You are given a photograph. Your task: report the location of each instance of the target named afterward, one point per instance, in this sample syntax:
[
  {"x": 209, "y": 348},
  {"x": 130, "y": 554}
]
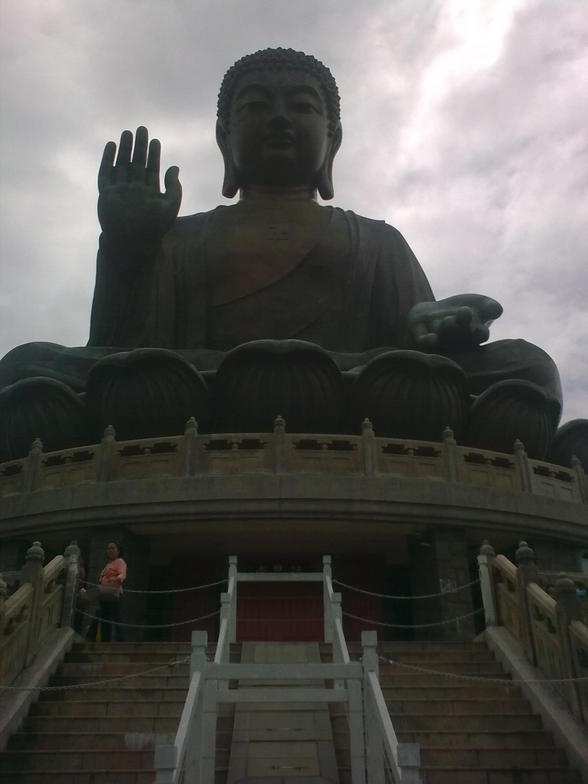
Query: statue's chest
[{"x": 252, "y": 251}]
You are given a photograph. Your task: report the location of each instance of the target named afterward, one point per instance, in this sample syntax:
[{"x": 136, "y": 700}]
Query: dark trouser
[{"x": 110, "y": 611}]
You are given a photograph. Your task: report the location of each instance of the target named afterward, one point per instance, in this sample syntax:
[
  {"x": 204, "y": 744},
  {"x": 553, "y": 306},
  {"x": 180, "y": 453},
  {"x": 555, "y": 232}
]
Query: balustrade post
[
  {"x": 70, "y": 589},
  {"x": 568, "y": 609},
  {"x": 527, "y": 573},
  {"x": 374, "y": 752},
  {"x": 190, "y": 448},
  {"x": 32, "y": 572},
  {"x": 522, "y": 461},
  {"x": 578, "y": 469},
  {"x": 198, "y": 655},
  {"x": 209, "y": 717},
  {"x": 486, "y": 572},
  {"x": 356, "y": 730},
  {"x": 233, "y": 572},
  {"x": 225, "y": 615},
  {"x": 369, "y": 448},
  {"x": 279, "y": 445},
  {"x": 3, "y": 595},
  {"x": 327, "y": 619},
  {"x": 33, "y": 466},
  {"x": 450, "y": 449},
  {"x": 106, "y": 454}
]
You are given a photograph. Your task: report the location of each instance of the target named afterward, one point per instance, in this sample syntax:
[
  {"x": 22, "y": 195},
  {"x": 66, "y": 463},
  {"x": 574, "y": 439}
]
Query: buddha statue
[{"x": 275, "y": 304}]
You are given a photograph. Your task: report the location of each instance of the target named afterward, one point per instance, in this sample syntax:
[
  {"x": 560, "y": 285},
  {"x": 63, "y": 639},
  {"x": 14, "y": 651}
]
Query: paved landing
[{"x": 282, "y": 743}]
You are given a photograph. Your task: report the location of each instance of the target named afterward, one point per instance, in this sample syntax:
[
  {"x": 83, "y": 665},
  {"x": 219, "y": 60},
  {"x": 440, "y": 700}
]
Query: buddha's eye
[
  {"x": 304, "y": 107},
  {"x": 253, "y": 106}
]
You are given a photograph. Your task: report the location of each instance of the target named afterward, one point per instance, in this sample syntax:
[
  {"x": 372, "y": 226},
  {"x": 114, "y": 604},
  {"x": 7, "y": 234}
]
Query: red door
[{"x": 280, "y": 612}]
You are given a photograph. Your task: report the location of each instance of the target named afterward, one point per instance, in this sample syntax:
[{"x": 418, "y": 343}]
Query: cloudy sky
[{"x": 465, "y": 126}]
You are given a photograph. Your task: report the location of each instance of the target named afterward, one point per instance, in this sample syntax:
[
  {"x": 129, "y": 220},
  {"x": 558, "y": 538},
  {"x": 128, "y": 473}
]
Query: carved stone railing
[
  {"x": 192, "y": 454},
  {"x": 42, "y": 603},
  {"x": 549, "y": 629}
]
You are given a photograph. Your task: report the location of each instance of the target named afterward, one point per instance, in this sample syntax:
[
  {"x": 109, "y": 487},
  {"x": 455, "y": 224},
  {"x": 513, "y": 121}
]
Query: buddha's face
[{"x": 278, "y": 130}]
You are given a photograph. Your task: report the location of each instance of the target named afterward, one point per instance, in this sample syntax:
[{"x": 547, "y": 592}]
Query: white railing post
[
  {"x": 165, "y": 764},
  {"x": 374, "y": 752},
  {"x": 209, "y": 715},
  {"x": 233, "y": 573},
  {"x": 197, "y": 665},
  {"x": 198, "y": 655},
  {"x": 327, "y": 618},
  {"x": 485, "y": 565},
  {"x": 356, "y": 730},
  {"x": 32, "y": 572}
]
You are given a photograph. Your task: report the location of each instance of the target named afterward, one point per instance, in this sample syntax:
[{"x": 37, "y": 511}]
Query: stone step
[
  {"x": 79, "y": 777},
  {"x": 424, "y": 722},
  {"x": 108, "y": 707},
  {"x": 119, "y": 723},
  {"x": 465, "y": 667},
  {"x": 138, "y": 682},
  {"x": 87, "y": 759},
  {"x": 162, "y": 689},
  {"x": 97, "y": 724},
  {"x": 484, "y": 759},
  {"x": 396, "y": 677},
  {"x": 438, "y": 775},
  {"x": 455, "y": 691},
  {"x": 107, "y": 668},
  {"x": 492, "y": 739},
  {"x": 463, "y": 706},
  {"x": 131, "y": 740}
]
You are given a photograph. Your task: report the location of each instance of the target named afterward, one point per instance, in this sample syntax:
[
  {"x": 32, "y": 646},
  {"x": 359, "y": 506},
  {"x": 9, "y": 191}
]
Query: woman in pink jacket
[{"x": 111, "y": 579}]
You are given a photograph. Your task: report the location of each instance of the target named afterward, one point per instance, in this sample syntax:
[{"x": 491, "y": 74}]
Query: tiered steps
[
  {"x": 107, "y": 735},
  {"x": 470, "y": 732}
]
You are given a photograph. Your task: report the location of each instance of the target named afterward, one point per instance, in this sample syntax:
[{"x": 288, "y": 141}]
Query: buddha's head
[{"x": 278, "y": 122}]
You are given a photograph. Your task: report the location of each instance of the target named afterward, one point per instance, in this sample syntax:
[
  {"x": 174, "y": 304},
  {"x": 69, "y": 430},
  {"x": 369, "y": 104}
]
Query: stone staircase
[
  {"x": 470, "y": 732},
  {"x": 107, "y": 735}
]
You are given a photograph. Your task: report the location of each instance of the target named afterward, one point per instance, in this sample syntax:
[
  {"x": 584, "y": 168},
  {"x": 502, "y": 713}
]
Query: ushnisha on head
[{"x": 278, "y": 122}]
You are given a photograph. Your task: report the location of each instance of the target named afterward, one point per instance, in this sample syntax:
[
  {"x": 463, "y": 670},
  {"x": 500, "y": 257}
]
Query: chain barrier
[
  {"x": 391, "y": 596},
  {"x": 98, "y": 684},
  {"x": 145, "y": 625},
  {"x": 414, "y": 625},
  {"x": 481, "y": 678},
  {"x": 171, "y": 590}
]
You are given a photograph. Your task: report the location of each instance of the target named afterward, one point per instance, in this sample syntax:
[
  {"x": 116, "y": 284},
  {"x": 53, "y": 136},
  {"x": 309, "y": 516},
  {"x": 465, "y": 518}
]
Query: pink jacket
[{"x": 114, "y": 573}]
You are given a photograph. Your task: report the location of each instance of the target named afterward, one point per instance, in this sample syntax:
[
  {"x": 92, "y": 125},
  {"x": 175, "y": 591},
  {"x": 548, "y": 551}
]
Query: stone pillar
[
  {"x": 527, "y": 573},
  {"x": 70, "y": 591},
  {"x": 485, "y": 562},
  {"x": 32, "y": 572},
  {"x": 444, "y": 566},
  {"x": 3, "y": 594}
]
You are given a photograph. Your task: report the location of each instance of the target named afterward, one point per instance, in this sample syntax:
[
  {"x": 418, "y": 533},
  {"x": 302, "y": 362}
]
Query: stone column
[
  {"x": 445, "y": 566},
  {"x": 70, "y": 591},
  {"x": 527, "y": 573},
  {"x": 32, "y": 572}
]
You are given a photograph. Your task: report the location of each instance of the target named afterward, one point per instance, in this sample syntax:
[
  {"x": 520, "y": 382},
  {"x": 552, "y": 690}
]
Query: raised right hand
[{"x": 131, "y": 209}]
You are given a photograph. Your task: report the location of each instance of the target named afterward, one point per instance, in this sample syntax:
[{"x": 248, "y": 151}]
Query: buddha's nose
[{"x": 280, "y": 117}]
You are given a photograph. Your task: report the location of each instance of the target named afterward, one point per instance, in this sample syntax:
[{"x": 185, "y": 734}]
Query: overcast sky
[{"x": 465, "y": 126}]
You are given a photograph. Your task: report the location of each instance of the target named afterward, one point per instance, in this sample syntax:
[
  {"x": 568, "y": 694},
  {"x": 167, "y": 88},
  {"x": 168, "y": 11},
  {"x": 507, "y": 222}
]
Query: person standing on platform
[{"x": 110, "y": 594}]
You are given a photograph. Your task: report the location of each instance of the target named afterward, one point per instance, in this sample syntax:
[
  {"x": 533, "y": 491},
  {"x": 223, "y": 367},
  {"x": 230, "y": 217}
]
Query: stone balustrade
[
  {"x": 549, "y": 629},
  {"x": 43, "y": 602},
  {"x": 279, "y": 452}
]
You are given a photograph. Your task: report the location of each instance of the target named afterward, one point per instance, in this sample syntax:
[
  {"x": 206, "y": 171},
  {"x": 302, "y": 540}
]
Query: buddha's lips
[{"x": 280, "y": 140}]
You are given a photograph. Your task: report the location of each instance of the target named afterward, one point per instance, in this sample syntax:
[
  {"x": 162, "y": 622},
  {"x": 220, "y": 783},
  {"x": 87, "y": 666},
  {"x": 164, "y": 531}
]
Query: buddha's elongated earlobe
[
  {"x": 325, "y": 176},
  {"x": 230, "y": 183}
]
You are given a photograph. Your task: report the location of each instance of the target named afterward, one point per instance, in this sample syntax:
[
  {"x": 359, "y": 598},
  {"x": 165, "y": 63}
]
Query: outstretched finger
[
  {"x": 153, "y": 163},
  {"x": 140, "y": 153},
  {"x": 490, "y": 310},
  {"x": 106, "y": 164},
  {"x": 123, "y": 159}
]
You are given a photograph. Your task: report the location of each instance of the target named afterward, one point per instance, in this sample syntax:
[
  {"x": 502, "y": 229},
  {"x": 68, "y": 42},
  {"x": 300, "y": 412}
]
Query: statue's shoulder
[{"x": 375, "y": 228}]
